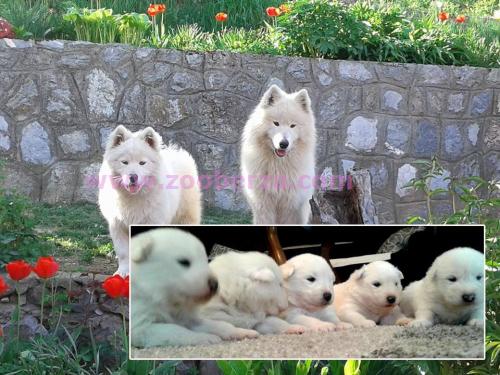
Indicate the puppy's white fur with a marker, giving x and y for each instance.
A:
(308, 279)
(170, 279)
(371, 295)
(279, 117)
(251, 293)
(150, 200)
(439, 296)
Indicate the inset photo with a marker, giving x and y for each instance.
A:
(316, 292)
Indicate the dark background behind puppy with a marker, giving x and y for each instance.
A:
(413, 260)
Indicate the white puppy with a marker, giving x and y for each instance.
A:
(370, 296)
(251, 293)
(452, 291)
(309, 283)
(170, 279)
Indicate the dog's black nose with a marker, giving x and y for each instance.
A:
(327, 296)
(133, 178)
(469, 297)
(284, 144)
(213, 285)
(391, 299)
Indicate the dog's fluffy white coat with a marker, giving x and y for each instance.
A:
(308, 279)
(170, 279)
(439, 296)
(251, 293)
(151, 201)
(279, 116)
(362, 300)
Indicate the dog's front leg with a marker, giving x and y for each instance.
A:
(328, 314)
(120, 244)
(396, 317)
(477, 318)
(273, 324)
(312, 324)
(355, 318)
(223, 329)
(423, 318)
(159, 334)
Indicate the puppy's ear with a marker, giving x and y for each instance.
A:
(140, 249)
(118, 136)
(302, 97)
(359, 273)
(152, 138)
(264, 275)
(271, 96)
(400, 274)
(287, 270)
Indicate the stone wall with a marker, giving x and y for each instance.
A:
(59, 101)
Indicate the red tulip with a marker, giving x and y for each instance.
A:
(443, 16)
(46, 267)
(126, 287)
(3, 286)
(155, 9)
(6, 29)
(221, 17)
(460, 18)
(116, 286)
(18, 269)
(273, 12)
(284, 8)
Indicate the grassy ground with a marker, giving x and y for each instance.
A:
(79, 234)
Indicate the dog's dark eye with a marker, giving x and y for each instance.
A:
(311, 279)
(376, 284)
(293, 126)
(184, 262)
(142, 162)
(479, 277)
(125, 162)
(452, 279)
(276, 123)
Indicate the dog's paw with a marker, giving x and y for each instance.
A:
(323, 327)
(122, 271)
(421, 323)
(403, 321)
(340, 326)
(475, 323)
(295, 329)
(366, 324)
(240, 334)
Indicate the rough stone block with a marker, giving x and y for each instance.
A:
(24, 100)
(426, 138)
(398, 137)
(481, 103)
(35, 144)
(362, 134)
(76, 142)
(355, 71)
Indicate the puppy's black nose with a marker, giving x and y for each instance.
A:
(133, 178)
(213, 285)
(391, 299)
(327, 296)
(284, 144)
(469, 297)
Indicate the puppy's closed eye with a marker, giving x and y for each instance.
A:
(184, 262)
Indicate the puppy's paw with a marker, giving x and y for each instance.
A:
(340, 326)
(123, 271)
(403, 321)
(475, 323)
(323, 327)
(366, 324)
(240, 334)
(421, 323)
(295, 329)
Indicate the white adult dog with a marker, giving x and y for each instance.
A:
(452, 291)
(137, 186)
(170, 279)
(278, 157)
(251, 293)
(371, 295)
(309, 283)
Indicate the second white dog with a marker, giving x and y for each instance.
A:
(452, 291)
(251, 293)
(170, 280)
(309, 284)
(370, 296)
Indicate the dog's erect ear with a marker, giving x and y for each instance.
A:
(359, 273)
(152, 138)
(118, 136)
(140, 249)
(264, 275)
(271, 96)
(400, 274)
(302, 97)
(287, 270)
